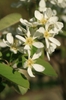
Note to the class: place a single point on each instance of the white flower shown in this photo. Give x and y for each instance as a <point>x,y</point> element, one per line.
<point>48,35</point>
<point>42,18</point>
<point>28,41</point>
<point>54,25</point>
<point>10,42</point>
<point>30,64</point>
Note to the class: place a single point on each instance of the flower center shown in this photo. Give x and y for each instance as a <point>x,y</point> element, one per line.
<point>30,62</point>
<point>43,21</point>
<point>13,47</point>
<point>46,34</point>
<point>29,41</point>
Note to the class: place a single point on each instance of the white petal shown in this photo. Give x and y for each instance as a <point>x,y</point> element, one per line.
<point>38,68</point>
<point>10,38</point>
<point>13,50</point>
<point>28,33</point>
<point>21,38</point>
<point>53,45</point>
<point>55,41</point>
<point>38,44</point>
<point>60,1</point>
<point>19,29</point>
<point>38,15</point>
<point>48,56</point>
<point>63,17</point>
<point>52,2</point>
<point>28,23</point>
<point>53,19</point>
<point>29,53</point>
<point>42,9</point>
<point>30,72</point>
<point>59,26</point>
<point>27,47</point>
<point>41,30</point>
<point>48,12</point>
<point>2,44</point>
<point>25,64</point>
<point>37,35</point>
<point>15,65</point>
<point>52,31</point>
<point>22,21</point>
<point>6,43</point>
<point>37,54</point>
<point>47,43</point>
<point>42,3</point>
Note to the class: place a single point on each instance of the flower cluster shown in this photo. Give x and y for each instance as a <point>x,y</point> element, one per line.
<point>39,33</point>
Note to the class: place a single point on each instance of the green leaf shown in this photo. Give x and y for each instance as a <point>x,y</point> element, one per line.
<point>48,68</point>
<point>22,90</point>
<point>15,77</point>
<point>42,56</point>
<point>9,20</point>
<point>33,50</point>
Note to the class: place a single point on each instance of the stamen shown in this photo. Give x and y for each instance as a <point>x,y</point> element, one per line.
<point>30,62</point>
<point>43,21</point>
<point>46,34</point>
<point>29,41</point>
